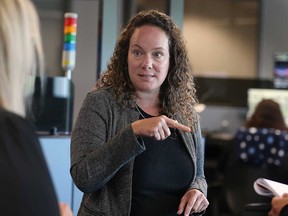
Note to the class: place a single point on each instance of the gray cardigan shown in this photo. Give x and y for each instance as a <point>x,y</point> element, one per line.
<point>103,148</point>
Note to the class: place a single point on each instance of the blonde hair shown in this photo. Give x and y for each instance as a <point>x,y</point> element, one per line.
<point>21,55</point>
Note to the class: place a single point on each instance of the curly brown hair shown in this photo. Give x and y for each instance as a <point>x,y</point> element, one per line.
<point>178,93</point>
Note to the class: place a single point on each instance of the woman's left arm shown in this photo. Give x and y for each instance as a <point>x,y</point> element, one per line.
<point>200,181</point>
<point>194,200</point>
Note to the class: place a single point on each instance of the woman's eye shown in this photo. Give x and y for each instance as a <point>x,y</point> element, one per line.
<point>158,54</point>
<point>137,53</point>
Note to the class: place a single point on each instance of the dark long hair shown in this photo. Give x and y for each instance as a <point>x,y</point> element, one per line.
<point>177,94</point>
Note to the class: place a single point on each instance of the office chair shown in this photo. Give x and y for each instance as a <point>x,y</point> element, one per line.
<point>256,153</point>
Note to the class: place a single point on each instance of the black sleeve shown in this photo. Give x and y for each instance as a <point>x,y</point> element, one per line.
<point>26,187</point>
<point>284,211</point>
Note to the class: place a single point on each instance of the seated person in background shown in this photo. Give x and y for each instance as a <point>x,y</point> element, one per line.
<point>258,151</point>
<point>26,186</point>
<point>279,206</point>
<point>267,114</point>
<point>265,125</point>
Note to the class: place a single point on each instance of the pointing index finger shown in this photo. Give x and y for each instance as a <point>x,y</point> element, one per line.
<point>175,124</point>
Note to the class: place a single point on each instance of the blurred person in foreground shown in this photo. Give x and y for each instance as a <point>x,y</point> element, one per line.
<point>26,186</point>
<point>136,147</point>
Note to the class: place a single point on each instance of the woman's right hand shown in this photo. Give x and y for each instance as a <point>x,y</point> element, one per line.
<point>157,127</point>
<point>277,205</point>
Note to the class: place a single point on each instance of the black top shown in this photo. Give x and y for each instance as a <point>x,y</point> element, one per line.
<point>161,176</point>
<point>26,187</point>
<point>284,211</point>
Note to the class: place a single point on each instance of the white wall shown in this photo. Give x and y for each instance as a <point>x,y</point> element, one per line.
<point>84,75</point>
<point>222,37</point>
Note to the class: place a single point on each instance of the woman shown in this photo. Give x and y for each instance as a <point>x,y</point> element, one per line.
<point>131,151</point>
<point>26,186</point>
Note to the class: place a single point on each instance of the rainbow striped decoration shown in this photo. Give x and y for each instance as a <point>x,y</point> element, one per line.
<point>69,47</point>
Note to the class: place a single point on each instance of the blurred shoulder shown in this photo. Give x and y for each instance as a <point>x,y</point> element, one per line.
<point>12,123</point>
<point>10,117</point>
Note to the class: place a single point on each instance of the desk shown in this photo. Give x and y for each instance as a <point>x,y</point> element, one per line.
<point>56,150</point>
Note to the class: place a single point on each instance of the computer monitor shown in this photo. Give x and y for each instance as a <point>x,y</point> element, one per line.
<point>53,110</point>
<point>278,95</point>
<point>280,72</point>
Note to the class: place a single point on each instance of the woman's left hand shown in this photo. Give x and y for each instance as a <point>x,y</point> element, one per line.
<point>193,201</point>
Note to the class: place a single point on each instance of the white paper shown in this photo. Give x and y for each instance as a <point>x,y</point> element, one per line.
<point>267,187</point>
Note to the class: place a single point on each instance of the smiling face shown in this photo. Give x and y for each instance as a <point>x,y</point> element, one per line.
<point>148,58</point>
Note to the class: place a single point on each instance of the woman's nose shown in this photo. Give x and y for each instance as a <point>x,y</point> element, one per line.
<point>147,62</point>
